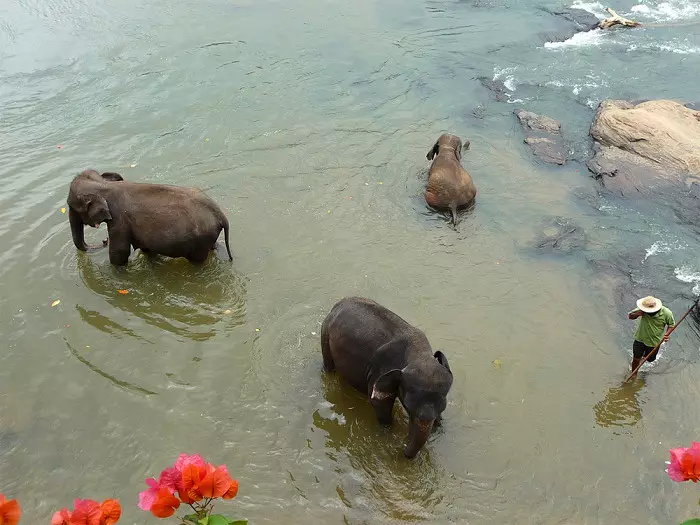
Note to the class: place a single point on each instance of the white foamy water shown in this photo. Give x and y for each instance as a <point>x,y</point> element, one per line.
<point>595,8</point>
<point>663,247</point>
<point>672,10</point>
<point>678,47</point>
<point>585,39</point>
<point>689,275</point>
<point>506,74</point>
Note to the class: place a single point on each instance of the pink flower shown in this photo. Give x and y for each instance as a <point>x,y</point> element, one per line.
<point>685,464</point>
<point>148,496</point>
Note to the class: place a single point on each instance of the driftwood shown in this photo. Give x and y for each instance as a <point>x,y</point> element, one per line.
<point>616,20</point>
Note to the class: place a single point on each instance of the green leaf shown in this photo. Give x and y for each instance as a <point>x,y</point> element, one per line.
<point>218,519</point>
<point>191,518</point>
<point>204,521</point>
<point>695,521</point>
<point>238,522</point>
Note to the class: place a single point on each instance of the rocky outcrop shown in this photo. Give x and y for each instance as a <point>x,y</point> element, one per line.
<point>641,147</point>
<point>572,21</point>
<point>543,135</point>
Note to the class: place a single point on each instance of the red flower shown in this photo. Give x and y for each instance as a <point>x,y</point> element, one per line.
<point>111,512</point>
<point>86,512</point>
<point>89,512</point>
<point>164,504</point>
<point>685,464</point>
<point>10,511</point>
<point>206,482</point>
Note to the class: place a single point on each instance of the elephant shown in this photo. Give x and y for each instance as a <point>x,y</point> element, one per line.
<point>449,185</point>
<point>155,218</point>
<point>379,353</point>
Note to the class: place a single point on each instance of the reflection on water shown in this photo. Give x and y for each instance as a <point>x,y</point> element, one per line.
<point>382,478</point>
<point>620,407</point>
<point>118,382</point>
<point>170,294</point>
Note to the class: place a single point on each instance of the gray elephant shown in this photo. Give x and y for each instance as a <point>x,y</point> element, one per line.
<point>449,185</point>
<point>155,218</point>
<point>379,353</point>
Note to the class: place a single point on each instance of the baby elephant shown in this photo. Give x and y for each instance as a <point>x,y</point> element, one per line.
<point>449,184</point>
<point>155,218</point>
<point>379,353</point>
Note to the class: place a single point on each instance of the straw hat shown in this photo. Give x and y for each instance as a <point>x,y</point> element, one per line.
<point>649,304</point>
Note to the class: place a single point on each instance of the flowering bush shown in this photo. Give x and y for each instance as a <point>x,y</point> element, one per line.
<point>89,512</point>
<point>196,484</point>
<point>685,466</point>
<point>9,511</point>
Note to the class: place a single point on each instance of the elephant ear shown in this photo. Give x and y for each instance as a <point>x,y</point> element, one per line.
<point>433,151</point>
<point>442,360</point>
<point>111,176</point>
<point>387,385</point>
<point>98,210</point>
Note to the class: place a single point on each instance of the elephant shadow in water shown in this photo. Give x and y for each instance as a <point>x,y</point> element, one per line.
<point>382,481</point>
<point>170,294</point>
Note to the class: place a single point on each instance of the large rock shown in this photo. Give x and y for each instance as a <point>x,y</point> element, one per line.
<point>543,135</point>
<point>645,146</point>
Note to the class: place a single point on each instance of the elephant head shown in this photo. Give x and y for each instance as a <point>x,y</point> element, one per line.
<point>446,141</point>
<point>87,204</point>
<point>422,388</point>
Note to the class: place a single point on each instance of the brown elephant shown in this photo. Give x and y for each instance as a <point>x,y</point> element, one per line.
<point>449,185</point>
<point>379,353</point>
<point>155,218</point>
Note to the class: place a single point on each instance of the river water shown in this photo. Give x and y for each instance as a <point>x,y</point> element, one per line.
<point>309,122</point>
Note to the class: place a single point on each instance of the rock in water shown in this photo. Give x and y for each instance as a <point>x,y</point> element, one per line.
<point>543,135</point>
<point>646,145</point>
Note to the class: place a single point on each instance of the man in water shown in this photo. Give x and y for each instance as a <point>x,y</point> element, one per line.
<point>651,330</point>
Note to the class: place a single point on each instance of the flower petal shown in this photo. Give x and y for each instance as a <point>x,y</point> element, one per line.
<point>215,484</point>
<point>232,490</point>
<point>165,504</point>
<point>10,511</point>
<point>191,476</point>
<point>62,517</point>
<point>185,460</point>
<point>111,512</point>
<point>146,498</point>
<point>170,478</point>
<point>86,512</point>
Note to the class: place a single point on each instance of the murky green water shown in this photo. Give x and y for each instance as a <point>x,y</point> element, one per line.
<point>309,123</point>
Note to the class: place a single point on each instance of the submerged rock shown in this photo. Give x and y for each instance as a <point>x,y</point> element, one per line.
<point>646,146</point>
<point>543,135</point>
<point>573,21</point>
<point>560,235</point>
<point>498,89</point>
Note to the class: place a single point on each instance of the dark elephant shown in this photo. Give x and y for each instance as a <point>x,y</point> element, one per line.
<point>379,353</point>
<point>155,218</point>
<point>449,185</point>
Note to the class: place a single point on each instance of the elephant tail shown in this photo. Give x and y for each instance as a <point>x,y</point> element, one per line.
<point>453,209</point>
<point>228,248</point>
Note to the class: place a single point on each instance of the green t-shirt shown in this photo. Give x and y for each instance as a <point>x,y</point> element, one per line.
<point>651,329</point>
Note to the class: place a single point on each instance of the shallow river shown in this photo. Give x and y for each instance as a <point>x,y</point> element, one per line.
<point>309,122</point>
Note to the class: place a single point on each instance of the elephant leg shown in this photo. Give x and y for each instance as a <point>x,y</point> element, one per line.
<point>328,363</point>
<point>384,409</point>
<point>198,255</point>
<point>119,251</point>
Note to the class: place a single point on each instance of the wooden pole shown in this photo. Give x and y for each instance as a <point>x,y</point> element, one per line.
<point>670,330</point>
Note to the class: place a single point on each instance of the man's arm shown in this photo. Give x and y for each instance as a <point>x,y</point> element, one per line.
<point>634,314</point>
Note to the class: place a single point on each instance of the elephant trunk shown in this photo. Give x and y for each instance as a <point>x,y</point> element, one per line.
<point>418,434</point>
<point>77,229</point>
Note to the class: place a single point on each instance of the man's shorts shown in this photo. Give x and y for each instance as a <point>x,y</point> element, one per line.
<point>640,350</point>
